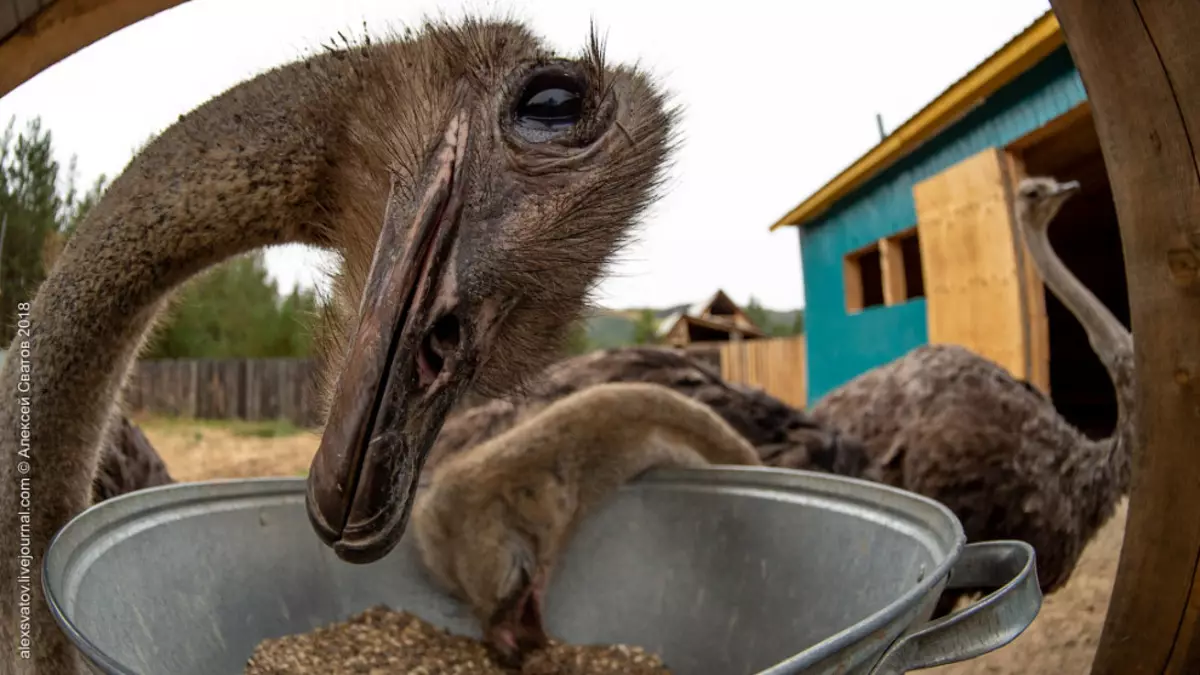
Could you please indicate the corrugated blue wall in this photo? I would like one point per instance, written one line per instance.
(841, 346)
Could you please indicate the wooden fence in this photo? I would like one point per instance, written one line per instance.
(775, 365)
(265, 389)
(248, 389)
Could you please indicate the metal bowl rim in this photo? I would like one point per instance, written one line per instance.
(727, 476)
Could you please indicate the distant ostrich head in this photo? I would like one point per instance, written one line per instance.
(511, 178)
(1039, 200)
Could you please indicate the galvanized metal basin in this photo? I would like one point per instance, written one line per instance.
(721, 571)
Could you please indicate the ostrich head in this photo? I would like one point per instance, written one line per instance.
(1039, 200)
(511, 177)
(492, 538)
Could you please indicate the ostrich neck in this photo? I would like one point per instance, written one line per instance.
(239, 173)
(1110, 340)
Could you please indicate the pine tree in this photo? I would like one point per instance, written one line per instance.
(645, 330)
(37, 216)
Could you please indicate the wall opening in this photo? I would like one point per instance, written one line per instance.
(872, 278)
(903, 279)
(697, 333)
(914, 278)
(1086, 237)
(863, 275)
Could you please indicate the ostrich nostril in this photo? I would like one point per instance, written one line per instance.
(441, 341)
(445, 335)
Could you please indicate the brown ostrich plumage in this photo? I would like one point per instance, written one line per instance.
(783, 436)
(129, 463)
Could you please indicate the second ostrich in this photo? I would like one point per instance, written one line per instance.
(129, 463)
(949, 424)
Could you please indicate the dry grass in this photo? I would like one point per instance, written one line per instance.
(1061, 641)
(197, 450)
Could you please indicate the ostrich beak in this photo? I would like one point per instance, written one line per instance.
(393, 394)
(1056, 199)
(1069, 188)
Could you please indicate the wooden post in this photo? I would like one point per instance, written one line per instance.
(1140, 63)
(852, 277)
(891, 260)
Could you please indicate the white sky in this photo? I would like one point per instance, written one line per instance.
(780, 96)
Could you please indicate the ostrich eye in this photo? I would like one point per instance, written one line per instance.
(549, 104)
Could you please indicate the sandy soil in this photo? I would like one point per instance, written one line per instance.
(1061, 641)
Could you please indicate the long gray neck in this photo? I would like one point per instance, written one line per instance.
(1110, 340)
(239, 173)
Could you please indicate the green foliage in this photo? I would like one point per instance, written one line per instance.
(645, 329)
(605, 331)
(798, 323)
(758, 315)
(38, 216)
(234, 311)
(577, 339)
(774, 324)
(78, 207)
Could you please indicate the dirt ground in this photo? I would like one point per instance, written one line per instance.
(1061, 641)
(202, 451)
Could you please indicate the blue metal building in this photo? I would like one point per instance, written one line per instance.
(914, 242)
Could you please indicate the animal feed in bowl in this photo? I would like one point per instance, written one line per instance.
(380, 641)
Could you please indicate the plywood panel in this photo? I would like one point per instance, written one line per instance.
(969, 258)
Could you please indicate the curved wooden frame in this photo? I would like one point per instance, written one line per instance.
(63, 28)
(1141, 66)
(1140, 63)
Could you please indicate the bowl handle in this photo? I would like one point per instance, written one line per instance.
(987, 625)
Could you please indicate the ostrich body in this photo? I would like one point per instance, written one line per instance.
(475, 186)
(949, 424)
(129, 463)
(782, 436)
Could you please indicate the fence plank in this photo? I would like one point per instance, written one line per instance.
(774, 365)
(266, 389)
(249, 389)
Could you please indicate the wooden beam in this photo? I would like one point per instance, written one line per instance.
(1053, 128)
(852, 280)
(1037, 346)
(891, 261)
(1140, 63)
(63, 28)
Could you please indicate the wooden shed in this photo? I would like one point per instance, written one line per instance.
(719, 319)
(915, 242)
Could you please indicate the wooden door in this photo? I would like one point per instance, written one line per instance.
(975, 265)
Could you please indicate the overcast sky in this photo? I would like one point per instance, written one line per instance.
(780, 96)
